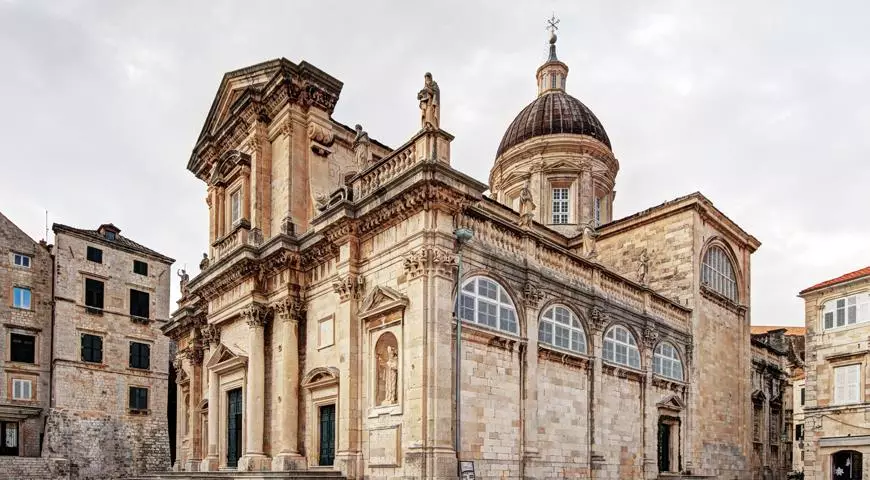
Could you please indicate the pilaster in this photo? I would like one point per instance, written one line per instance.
(532, 297)
(649, 425)
(599, 320)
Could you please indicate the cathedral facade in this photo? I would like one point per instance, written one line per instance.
(344, 278)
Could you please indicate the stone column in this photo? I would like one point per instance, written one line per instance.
(221, 212)
(211, 462)
(254, 459)
(290, 311)
(532, 297)
(195, 356)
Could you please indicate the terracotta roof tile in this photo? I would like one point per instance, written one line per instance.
(759, 329)
(864, 272)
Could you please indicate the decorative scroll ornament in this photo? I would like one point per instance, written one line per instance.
(211, 334)
(433, 259)
(532, 295)
(351, 285)
(255, 315)
(599, 317)
(321, 139)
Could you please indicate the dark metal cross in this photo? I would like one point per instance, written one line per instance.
(553, 23)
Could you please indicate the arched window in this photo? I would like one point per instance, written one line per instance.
(717, 273)
(485, 302)
(620, 347)
(666, 362)
(561, 328)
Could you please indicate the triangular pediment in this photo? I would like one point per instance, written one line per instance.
(673, 403)
(382, 300)
(224, 355)
(562, 166)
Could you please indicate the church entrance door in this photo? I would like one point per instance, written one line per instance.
(327, 435)
(234, 427)
(664, 446)
(9, 438)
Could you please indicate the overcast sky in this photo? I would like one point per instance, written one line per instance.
(762, 106)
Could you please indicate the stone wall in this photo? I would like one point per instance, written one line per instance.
(563, 421)
(35, 468)
(102, 447)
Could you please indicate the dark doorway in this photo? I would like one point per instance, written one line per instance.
(234, 427)
(846, 465)
(327, 435)
(664, 446)
(9, 438)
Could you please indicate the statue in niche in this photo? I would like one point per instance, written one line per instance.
(527, 207)
(430, 103)
(387, 351)
(361, 148)
(589, 236)
(643, 268)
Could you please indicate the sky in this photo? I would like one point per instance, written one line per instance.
(762, 106)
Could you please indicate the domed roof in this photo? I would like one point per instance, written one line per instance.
(553, 113)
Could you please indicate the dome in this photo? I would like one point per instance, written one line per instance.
(553, 113)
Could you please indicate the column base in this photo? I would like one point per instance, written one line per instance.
(191, 465)
(209, 464)
(254, 462)
(284, 462)
(349, 463)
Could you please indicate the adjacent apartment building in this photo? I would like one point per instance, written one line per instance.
(837, 409)
(85, 367)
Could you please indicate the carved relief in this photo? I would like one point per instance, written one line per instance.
(351, 285)
(255, 315)
(532, 295)
(431, 259)
(387, 360)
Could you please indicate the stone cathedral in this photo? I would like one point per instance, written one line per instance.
(321, 331)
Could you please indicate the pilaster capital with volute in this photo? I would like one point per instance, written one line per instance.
(532, 295)
(290, 309)
(650, 336)
(599, 318)
(211, 334)
(255, 315)
(349, 286)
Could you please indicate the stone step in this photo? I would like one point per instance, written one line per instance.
(233, 475)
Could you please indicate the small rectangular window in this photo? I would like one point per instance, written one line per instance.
(93, 293)
(21, 297)
(803, 396)
(560, 205)
(798, 432)
(23, 348)
(92, 348)
(22, 389)
(847, 384)
(110, 236)
(139, 303)
(140, 355)
(138, 399)
(140, 267)
(95, 255)
(21, 260)
(236, 206)
(553, 79)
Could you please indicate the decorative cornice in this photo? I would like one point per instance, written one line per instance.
(256, 315)
(431, 259)
(351, 285)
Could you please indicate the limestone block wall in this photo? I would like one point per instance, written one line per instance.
(563, 420)
(619, 416)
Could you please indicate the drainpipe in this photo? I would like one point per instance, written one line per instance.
(463, 235)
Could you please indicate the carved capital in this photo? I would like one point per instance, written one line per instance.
(255, 315)
(599, 318)
(194, 353)
(287, 127)
(532, 295)
(290, 309)
(431, 259)
(650, 336)
(349, 286)
(178, 361)
(211, 334)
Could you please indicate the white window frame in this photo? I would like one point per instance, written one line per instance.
(847, 384)
(476, 304)
(18, 389)
(236, 206)
(846, 311)
(18, 259)
(560, 328)
(718, 272)
(667, 362)
(612, 345)
(560, 209)
(15, 300)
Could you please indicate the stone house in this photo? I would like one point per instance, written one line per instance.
(322, 329)
(837, 409)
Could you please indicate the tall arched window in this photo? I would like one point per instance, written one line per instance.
(486, 302)
(666, 361)
(561, 328)
(620, 347)
(717, 273)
